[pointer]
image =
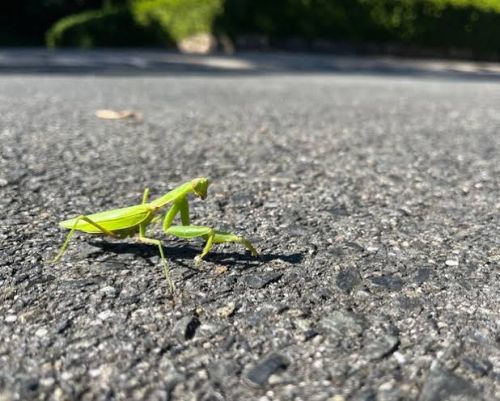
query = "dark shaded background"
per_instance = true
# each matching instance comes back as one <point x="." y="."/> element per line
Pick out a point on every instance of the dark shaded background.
<point x="25" y="22"/>
<point x="430" y="27"/>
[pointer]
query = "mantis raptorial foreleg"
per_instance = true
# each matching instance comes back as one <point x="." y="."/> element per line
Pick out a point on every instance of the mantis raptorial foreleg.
<point x="70" y="234"/>
<point x="169" y="216"/>
<point x="184" y="210"/>
<point x="180" y="206"/>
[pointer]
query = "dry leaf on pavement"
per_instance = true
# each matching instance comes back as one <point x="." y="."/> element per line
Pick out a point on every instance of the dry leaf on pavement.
<point x="119" y="115"/>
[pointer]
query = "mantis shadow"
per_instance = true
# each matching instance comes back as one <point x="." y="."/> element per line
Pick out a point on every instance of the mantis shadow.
<point x="182" y="252"/>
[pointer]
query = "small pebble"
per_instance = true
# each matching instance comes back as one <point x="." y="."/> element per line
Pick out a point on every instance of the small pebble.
<point x="399" y="357"/>
<point x="66" y="375"/>
<point x="10" y="318"/>
<point x="441" y="384"/>
<point x="274" y="363"/>
<point x="348" y="279"/>
<point x="108" y="290"/>
<point x="47" y="382"/>
<point x="382" y="347"/>
<point x="389" y="282"/>
<point x="226" y="311"/>
<point x="186" y="327"/>
<point x="105" y="315"/>
<point x="41" y="332"/>
<point x="258" y="281"/>
<point x="342" y="323"/>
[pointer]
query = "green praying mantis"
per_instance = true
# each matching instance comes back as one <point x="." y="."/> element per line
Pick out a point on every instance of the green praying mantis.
<point x="132" y="220"/>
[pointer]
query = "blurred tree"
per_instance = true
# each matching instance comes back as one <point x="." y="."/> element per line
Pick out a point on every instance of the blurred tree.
<point x="179" y="19"/>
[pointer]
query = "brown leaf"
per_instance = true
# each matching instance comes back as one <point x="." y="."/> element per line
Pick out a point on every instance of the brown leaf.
<point x="220" y="269"/>
<point x="107" y="114"/>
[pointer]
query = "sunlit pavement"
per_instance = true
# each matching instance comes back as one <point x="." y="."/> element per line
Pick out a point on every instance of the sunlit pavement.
<point x="370" y="188"/>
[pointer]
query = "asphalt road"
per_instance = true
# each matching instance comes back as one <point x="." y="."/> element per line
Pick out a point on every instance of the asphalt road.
<point x="373" y="198"/>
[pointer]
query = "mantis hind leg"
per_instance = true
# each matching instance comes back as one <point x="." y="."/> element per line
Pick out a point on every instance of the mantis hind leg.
<point x="206" y="249"/>
<point x="164" y="262"/>
<point x="220" y="237"/>
<point x="211" y="236"/>
<point x="72" y="231"/>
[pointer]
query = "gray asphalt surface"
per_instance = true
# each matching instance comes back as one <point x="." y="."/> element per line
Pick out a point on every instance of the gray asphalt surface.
<point x="374" y="201"/>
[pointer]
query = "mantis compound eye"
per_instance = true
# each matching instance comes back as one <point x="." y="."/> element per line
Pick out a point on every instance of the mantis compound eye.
<point x="200" y="186"/>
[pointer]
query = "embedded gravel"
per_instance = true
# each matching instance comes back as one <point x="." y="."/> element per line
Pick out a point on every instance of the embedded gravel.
<point x="374" y="201"/>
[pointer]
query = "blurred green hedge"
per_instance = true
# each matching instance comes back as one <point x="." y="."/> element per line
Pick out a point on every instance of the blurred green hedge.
<point x="178" y="18"/>
<point x="463" y="24"/>
<point x="111" y="26"/>
<point x="468" y="24"/>
<point x="140" y="22"/>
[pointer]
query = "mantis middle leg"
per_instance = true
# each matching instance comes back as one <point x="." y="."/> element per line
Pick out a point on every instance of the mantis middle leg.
<point x="142" y="238"/>
<point x="219" y="237"/>
<point x="210" y="242"/>
<point x="145" y="196"/>
<point x="72" y="231"/>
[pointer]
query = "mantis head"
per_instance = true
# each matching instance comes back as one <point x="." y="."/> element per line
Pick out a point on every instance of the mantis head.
<point x="200" y="186"/>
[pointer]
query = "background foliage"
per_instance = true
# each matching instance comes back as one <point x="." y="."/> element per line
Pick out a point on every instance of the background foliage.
<point x="110" y="26"/>
<point x="472" y="25"/>
<point x="25" y="22"/>
<point x="468" y="24"/>
<point x="178" y="18"/>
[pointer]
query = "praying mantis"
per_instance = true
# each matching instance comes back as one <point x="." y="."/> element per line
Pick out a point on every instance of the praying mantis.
<point x="132" y="220"/>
